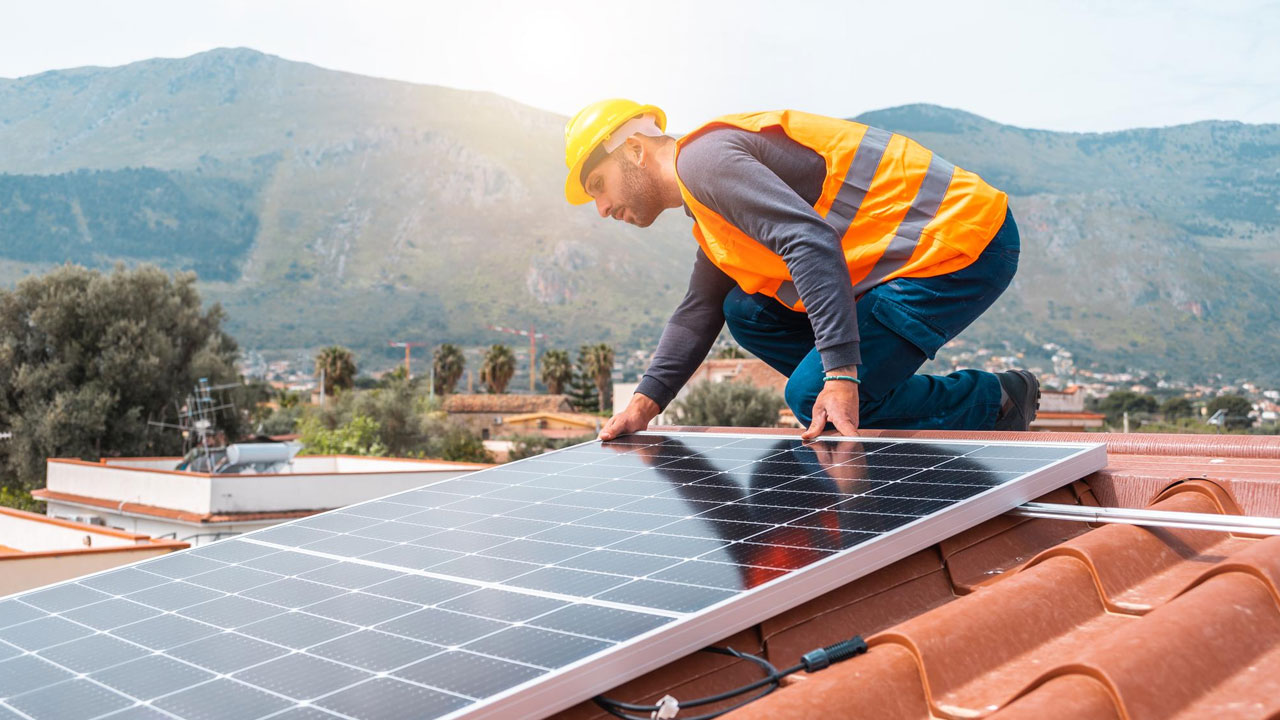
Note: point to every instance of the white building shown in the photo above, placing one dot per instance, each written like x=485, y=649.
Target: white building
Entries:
x=36, y=550
x=147, y=495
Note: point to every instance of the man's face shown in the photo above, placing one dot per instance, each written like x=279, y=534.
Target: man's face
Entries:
x=625, y=191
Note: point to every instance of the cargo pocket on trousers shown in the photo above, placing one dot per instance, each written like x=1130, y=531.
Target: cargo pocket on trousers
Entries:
x=911, y=326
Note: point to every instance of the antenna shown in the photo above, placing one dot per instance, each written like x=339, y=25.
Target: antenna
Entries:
x=197, y=417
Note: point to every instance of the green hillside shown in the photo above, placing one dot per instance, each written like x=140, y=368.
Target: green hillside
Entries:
x=323, y=207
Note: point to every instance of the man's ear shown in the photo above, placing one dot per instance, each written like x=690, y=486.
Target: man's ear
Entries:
x=635, y=151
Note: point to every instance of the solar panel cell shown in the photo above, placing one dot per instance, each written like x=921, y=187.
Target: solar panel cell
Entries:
x=225, y=652
x=43, y=632
x=125, y=580
x=665, y=596
x=442, y=627
x=301, y=677
x=151, y=676
x=359, y=608
x=297, y=630
x=222, y=699
x=109, y=613
x=375, y=651
x=173, y=595
x=93, y=652
x=64, y=597
x=578, y=583
x=76, y=699
x=538, y=647
x=389, y=698
x=292, y=592
x=621, y=563
x=468, y=674
x=419, y=589
x=164, y=631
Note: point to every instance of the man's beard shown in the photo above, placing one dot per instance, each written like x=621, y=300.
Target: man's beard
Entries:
x=643, y=198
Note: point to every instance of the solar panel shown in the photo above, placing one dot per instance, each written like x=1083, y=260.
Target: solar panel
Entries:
x=513, y=591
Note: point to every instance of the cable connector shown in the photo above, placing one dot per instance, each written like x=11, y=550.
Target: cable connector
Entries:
x=668, y=708
x=823, y=657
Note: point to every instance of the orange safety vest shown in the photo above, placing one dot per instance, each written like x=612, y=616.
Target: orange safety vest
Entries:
x=900, y=210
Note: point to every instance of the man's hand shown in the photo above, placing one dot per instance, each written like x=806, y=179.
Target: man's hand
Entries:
x=838, y=404
x=634, y=418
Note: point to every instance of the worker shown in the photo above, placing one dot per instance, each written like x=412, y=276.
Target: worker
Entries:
x=842, y=255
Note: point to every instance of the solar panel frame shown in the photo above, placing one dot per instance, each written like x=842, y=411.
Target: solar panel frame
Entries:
x=698, y=624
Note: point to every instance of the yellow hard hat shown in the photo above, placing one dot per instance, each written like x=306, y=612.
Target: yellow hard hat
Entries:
x=592, y=126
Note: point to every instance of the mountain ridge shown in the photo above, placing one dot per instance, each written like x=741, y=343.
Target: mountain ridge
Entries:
x=323, y=206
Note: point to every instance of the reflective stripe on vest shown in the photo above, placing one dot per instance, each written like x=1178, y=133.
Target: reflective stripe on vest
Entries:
x=899, y=210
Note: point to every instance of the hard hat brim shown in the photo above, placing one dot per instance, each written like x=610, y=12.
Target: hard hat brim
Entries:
x=574, y=192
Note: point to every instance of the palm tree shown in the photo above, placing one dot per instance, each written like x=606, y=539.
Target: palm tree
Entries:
x=447, y=366
x=499, y=365
x=598, y=365
x=557, y=371
x=337, y=366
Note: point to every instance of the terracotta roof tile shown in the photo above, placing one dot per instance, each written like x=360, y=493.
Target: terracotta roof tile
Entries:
x=507, y=403
x=1066, y=696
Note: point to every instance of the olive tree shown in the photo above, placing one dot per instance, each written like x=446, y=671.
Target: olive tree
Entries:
x=87, y=358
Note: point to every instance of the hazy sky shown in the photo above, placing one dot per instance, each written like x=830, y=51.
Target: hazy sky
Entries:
x=1059, y=65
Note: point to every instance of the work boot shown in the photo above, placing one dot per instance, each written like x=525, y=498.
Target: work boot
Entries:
x=1022, y=400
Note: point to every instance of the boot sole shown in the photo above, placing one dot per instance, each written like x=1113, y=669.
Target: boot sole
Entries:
x=1032, y=401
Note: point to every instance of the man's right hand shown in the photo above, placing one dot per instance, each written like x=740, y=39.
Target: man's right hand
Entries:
x=634, y=418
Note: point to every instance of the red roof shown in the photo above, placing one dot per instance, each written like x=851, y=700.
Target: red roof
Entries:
x=481, y=403
x=1022, y=618
x=169, y=513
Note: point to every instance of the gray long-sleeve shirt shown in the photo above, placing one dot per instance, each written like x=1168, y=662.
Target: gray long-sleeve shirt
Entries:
x=765, y=184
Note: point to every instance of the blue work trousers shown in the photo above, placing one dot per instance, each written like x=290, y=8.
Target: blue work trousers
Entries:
x=902, y=323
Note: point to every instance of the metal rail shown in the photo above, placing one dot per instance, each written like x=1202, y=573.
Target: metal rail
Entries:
x=1249, y=525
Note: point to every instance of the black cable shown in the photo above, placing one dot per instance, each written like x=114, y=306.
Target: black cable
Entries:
x=811, y=662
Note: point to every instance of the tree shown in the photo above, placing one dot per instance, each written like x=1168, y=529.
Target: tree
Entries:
x=499, y=365
x=1237, y=407
x=557, y=371
x=730, y=352
x=596, y=362
x=448, y=365
x=87, y=358
x=357, y=437
x=729, y=404
x=336, y=366
x=407, y=424
x=1176, y=408
x=1115, y=405
x=582, y=392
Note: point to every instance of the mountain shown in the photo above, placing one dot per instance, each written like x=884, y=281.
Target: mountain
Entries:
x=321, y=206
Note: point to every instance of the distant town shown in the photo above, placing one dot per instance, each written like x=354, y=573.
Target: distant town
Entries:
x=1058, y=369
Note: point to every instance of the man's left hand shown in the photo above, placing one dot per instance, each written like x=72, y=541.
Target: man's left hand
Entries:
x=836, y=404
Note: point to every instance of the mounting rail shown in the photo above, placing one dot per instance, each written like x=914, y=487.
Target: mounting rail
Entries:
x=1243, y=524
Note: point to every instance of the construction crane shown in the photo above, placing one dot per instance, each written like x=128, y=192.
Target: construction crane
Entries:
x=533, y=336
x=408, y=347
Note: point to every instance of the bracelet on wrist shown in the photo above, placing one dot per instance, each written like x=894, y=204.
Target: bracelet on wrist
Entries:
x=850, y=378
